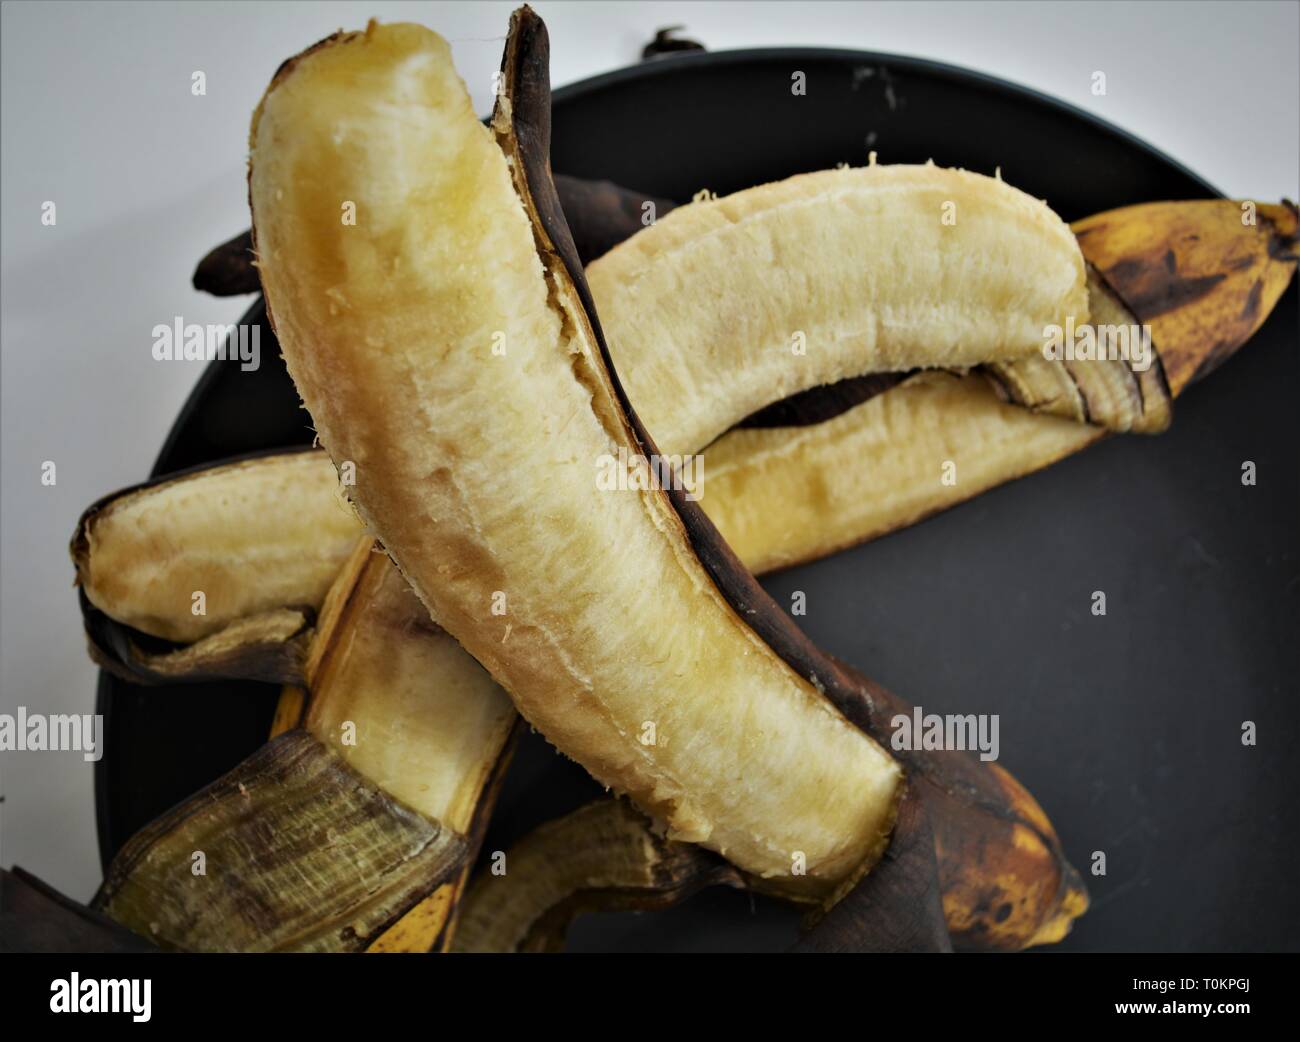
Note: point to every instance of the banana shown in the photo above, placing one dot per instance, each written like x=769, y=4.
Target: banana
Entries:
x=726, y=305
x=784, y=495
x=142, y=554
x=354, y=832
x=456, y=534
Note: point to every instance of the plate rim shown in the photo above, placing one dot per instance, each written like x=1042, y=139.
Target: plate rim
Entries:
x=651, y=68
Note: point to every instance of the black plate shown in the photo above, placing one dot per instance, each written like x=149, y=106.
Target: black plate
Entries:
x=1127, y=728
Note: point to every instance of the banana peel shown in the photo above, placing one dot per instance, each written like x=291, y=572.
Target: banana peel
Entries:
x=353, y=831
x=607, y=856
x=468, y=746
x=604, y=856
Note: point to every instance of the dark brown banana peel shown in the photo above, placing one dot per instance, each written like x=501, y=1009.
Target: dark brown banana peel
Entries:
x=605, y=856
x=608, y=856
x=900, y=906
x=1005, y=881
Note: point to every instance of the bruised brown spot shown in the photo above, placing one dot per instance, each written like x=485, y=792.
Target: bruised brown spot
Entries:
x=1148, y=293
x=1251, y=309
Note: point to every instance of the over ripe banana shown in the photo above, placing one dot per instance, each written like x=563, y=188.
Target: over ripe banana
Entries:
x=1203, y=279
x=448, y=504
x=749, y=469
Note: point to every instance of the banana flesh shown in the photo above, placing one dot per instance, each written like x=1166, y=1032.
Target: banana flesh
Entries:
x=134, y=565
x=726, y=305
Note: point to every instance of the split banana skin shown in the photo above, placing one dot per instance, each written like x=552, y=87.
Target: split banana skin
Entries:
x=475, y=471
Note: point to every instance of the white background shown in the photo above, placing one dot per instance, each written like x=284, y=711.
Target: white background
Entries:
x=97, y=115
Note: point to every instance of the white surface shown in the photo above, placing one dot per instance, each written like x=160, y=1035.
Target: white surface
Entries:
x=97, y=115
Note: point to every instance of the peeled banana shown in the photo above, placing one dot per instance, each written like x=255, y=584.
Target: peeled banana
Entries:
x=454, y=529
x=354, y=832
x=726, y=305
